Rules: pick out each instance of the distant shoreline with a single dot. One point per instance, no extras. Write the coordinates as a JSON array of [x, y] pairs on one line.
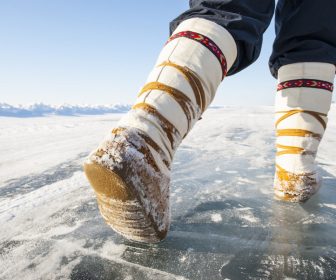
[[41, 109]]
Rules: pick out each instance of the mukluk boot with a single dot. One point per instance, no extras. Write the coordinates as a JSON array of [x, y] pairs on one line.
[[130, 170], [302, 104]]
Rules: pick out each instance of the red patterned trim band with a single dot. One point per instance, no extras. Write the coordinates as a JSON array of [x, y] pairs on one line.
[[207, 42], [306, 83]]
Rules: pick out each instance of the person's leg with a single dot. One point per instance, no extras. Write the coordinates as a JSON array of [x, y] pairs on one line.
[[130, 170], [303, 59], [246, 21]]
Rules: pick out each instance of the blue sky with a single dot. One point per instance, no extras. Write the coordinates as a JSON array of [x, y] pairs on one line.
[[96, 52]]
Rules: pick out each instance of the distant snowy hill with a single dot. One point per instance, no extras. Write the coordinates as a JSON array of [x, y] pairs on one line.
[[41, 109]]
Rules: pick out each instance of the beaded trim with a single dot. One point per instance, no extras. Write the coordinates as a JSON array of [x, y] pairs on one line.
[[205, 41], [306, 83]]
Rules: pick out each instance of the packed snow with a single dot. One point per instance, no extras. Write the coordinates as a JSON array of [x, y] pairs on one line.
[[225, 222]]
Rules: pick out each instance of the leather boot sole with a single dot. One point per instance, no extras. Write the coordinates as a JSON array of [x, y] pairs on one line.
[[120, 206]]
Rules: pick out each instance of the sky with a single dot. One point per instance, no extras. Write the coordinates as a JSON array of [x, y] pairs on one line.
[[100, 52]]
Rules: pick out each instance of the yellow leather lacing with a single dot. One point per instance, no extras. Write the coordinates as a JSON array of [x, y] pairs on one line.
[[281, 172], [296, 111], [182, 99], [167, 126], [193, 80]]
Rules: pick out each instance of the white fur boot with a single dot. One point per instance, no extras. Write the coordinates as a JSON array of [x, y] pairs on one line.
[[130, 170], [302, 104]]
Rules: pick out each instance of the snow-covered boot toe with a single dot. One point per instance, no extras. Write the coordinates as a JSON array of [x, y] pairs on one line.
[[295, 187], [132, 192]]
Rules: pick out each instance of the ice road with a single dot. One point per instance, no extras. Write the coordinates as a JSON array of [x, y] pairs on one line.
[[225, 222]]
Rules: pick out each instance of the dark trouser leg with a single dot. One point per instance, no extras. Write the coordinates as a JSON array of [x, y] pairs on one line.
[[305, 32], [246, 20]]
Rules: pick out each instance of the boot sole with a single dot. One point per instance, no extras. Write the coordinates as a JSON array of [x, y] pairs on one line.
[[120, 206]]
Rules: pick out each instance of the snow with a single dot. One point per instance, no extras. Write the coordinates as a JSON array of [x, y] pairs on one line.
[[216, 217], [225, 221], [329, 205]]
